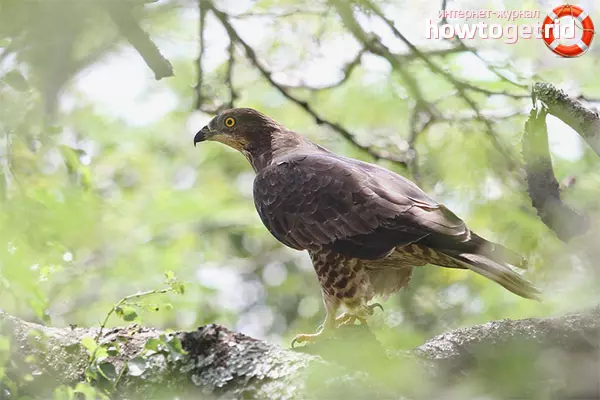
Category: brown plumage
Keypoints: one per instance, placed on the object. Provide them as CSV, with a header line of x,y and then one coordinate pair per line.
x,y
364,226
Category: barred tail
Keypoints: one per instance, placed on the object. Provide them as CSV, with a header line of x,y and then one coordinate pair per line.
x,y
499,273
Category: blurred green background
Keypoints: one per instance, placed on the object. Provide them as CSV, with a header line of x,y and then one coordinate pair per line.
x,y
102,191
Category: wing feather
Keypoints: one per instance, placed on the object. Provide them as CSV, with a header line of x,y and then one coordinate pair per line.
x,y
313,200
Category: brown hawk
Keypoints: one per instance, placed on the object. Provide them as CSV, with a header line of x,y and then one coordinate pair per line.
x,y
364,226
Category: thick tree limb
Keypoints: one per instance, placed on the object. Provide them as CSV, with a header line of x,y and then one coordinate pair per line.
x,y
548,357
542,185
583,120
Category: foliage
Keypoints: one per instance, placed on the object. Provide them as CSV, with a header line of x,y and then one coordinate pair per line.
x,y
100,370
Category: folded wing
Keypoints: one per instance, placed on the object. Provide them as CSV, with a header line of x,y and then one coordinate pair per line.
x,y
359,209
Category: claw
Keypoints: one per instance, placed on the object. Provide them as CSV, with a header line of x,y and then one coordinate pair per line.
x,y
307,338
373,306
347,318
297,339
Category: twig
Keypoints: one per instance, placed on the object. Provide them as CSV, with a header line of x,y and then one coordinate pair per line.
x,y
347,70
355,62
462,45
122,16
251,55
374,44
200,80
494,70
232,93
124,300
443,7
459,85
283,14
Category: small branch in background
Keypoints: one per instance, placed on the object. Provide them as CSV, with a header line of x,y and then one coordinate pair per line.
x,y
346,73
460,86
583,120
122,15
494,70
252,57
463,46
200,79
374,44
233,96
349,67
418,123
542,185
282,14
443,8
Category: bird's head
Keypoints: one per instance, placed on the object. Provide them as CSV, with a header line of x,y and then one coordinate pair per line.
x,y
238,128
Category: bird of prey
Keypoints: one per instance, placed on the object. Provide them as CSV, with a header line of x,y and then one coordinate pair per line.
x,y
364,227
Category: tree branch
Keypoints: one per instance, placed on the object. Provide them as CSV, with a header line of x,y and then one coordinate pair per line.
x,y
583,120
224,364
542,185
122,15
319,119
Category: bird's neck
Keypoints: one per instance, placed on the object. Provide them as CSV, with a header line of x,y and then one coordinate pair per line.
x,y
276,145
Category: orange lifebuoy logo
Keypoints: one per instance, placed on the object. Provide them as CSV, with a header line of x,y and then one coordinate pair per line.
x,y
552,20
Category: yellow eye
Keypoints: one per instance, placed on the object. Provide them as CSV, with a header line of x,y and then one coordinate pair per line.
x,y
229,122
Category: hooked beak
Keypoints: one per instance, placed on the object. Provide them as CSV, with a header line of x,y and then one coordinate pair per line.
x,y
202,135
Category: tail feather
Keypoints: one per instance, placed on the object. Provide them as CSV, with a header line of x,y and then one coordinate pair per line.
x,y
496,252
500,273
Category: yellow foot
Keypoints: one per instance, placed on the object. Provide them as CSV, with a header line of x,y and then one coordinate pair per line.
x,y
349,319
310,337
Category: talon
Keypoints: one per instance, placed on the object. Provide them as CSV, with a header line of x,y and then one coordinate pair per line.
x,y
310,337
296,340
375,305
299,339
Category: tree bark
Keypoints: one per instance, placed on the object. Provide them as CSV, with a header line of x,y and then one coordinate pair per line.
x,y
556,356
542,186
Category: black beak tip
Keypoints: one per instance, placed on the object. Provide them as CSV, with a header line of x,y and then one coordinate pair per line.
x,y
200,136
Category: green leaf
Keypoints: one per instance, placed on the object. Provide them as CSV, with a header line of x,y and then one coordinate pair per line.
x,y
89,343
126,313
154,344
91,372
176,350
108,371
178,287
112,350
169,276
136,366
15,80
101,354
72,160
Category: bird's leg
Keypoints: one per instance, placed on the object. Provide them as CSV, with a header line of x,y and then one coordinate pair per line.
x,y
326,327
349,318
